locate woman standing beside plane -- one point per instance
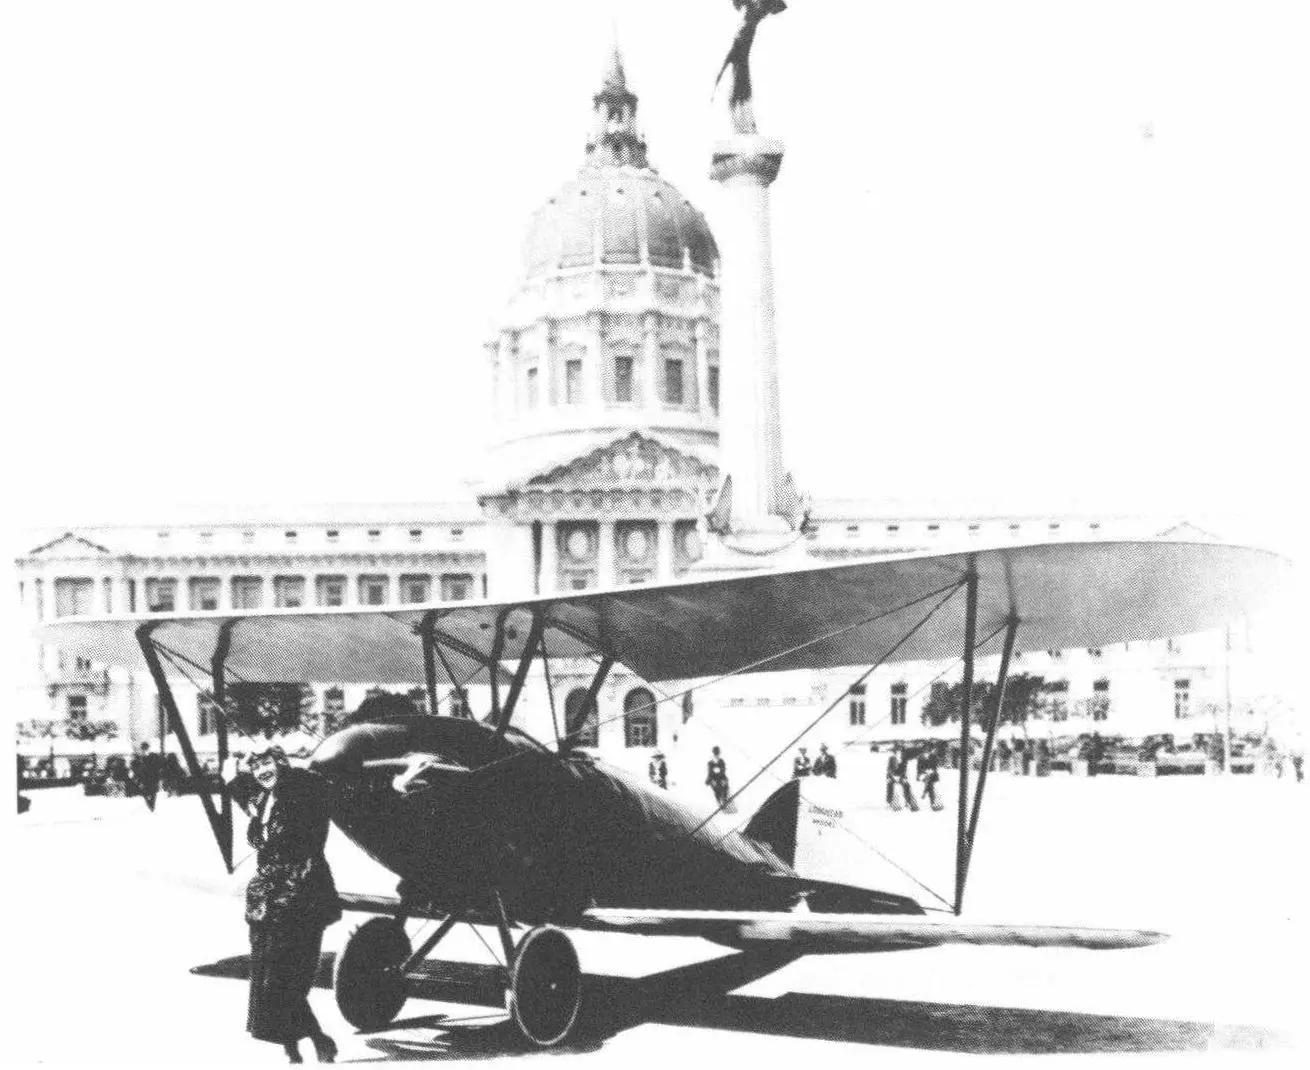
(290, 900)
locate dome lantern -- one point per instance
(615, 140)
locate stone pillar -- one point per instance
(745, 167)
(664, 551)
(595, 371)
(548, 581)
(652, 399)
(702, 372)
(605, 553)
(750, 437)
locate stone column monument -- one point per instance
(758, 518)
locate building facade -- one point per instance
(604, 372)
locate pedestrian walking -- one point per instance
(716, 776)
(658, 770)
(146, 771)
(825, 764)
(929, 775)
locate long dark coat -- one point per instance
(290, 900)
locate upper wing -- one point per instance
(1064, 594)
(828, 933)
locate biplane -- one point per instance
(482, 823)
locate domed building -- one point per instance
(605, 373)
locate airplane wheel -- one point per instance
(545, 986)
(368, 983)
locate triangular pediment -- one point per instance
(1189, 531)
(71, 545)
(632, 460)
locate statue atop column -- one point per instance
(753, 12)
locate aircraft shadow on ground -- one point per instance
(700, 995)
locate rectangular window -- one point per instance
(202, 593)
(373, 590)
(374, 534)
(415, 588)
(623, 379)
(713, 387)
(162, 723)
(1100, 700)
(76, 707)
(206, 537)
(206, 715)
(673, 392)
(573, 382)
(247, 592)
(161, 596)
(1182, 698)
(900, 701)
(73, 597)
(857, 704)
(415, 534)
(288, 592)
(1056, 694)
(456, 587)
(534, 389)
(330, 590)
(333, 535)
(292, 536)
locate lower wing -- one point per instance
(816, 933)
(829, 933)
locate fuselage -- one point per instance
(457, 810)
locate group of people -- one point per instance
(823, 765)
(898, 778)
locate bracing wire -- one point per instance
(947, 589)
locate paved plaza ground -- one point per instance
(126, 944)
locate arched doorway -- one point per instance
(640, 727)
(581, 724)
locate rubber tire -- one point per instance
(369, 987)
(545, 986)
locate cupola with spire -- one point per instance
(615, 140)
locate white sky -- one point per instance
(250, 249)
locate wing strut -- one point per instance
(218, 695)
(493, 665)
(966, 711)
(183, 737)
(588, 704)
(993, 719)
(521, 673)
(427, 635)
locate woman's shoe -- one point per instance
(325, 1048)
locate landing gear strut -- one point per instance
(545, 986)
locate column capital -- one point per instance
(748, 156)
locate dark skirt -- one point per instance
(283, 962)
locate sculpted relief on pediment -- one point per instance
(635, 460)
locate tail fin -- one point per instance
(774, 823)
(804, 824)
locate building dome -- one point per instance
(612, 329)
(618, 215)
